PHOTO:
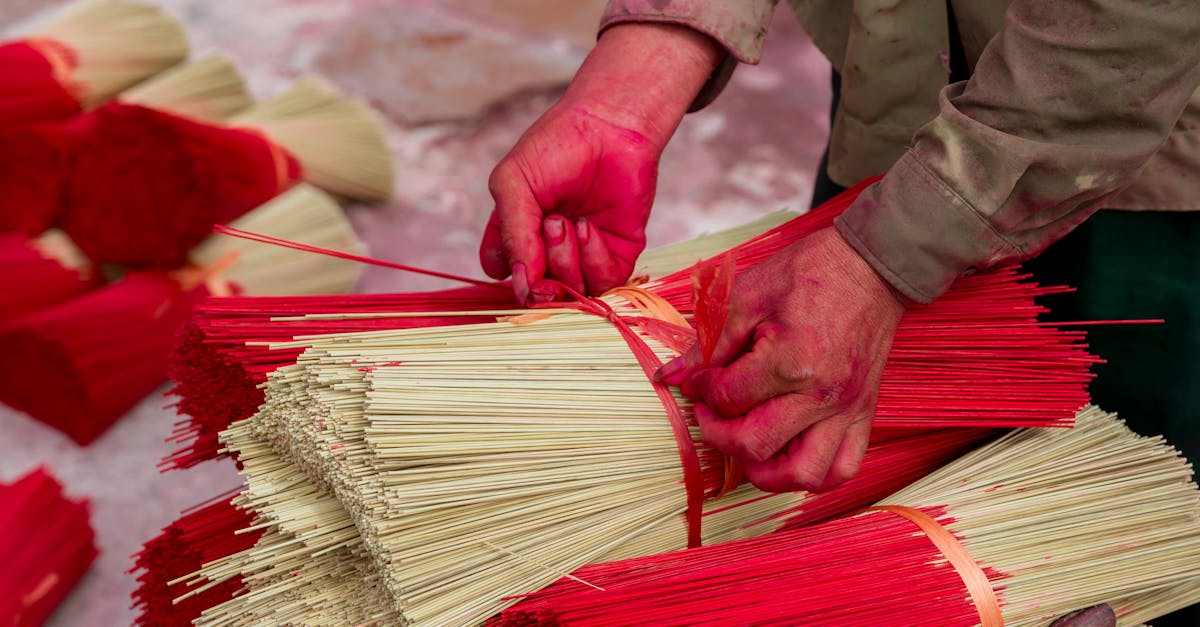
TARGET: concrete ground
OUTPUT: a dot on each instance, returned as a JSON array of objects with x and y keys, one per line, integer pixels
[{"x": 457, "y": 81}]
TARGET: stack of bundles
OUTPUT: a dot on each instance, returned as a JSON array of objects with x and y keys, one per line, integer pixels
[
  {"x": 46, "y": 545},
  {"x": 426, "y": 474},
  {"x": 81, "y": 58},
  {"x": 84, "y": 56},
  {"x": 1018, "y": 532},
  {"x": 114, "y": 195}
]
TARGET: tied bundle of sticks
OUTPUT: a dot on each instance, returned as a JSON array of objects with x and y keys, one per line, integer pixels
[
  {"x": 476, "y": 462},
  {"x": 1018, "y": 532},
  {"x": 36, "y": 158},
  {"x": 205, "y": 173},
  {"x": 46, "y": 545},
  {"x": 97, "y": 350},
  {"x": 84, "y": 56}
]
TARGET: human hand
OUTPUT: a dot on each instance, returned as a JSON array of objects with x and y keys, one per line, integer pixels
[
  {"x": 1095, "y": 616},
  {"x": 791, "y": 388},
  {"x": 574, "y": 194}
]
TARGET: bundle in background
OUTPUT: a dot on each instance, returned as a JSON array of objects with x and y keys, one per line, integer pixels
[
  {"x": 123, "y": 206},
  {"x": 84, "y": 56},
  {"x": 79, "y": 365},
  {"x": 34, "y": 161},
  {"x": 40, "y": 272},
  {"x": 46, "y": 546},
  {"x": 1018, "y": 532},
  {"x": 301, "y": 214},
  {"x": 210, "y": 88}
]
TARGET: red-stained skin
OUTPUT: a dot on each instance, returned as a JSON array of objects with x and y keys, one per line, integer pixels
[
  {"x": 585, "y": 186},
  {"x": 793, "y": 382}
]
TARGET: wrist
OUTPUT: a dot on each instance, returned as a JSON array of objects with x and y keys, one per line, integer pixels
[
  {"x": 859, "y": 270},
  {"x": 643, "y": 77}
]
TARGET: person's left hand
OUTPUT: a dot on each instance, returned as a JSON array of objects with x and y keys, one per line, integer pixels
[{"x": 793, "y": 381}]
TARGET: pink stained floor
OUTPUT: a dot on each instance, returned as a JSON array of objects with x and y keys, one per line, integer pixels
[{"x": 458, "y": 82}]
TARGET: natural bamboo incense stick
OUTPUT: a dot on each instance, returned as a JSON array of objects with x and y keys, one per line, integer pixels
[
  {"x": 302, "y": 214},
  {"x": 46, "y": 546},
  {"x": 338, "y": 141},
  {"x": 1054, "y": 520},
  {"x": 210, "y": 88},
  {"x": 105, "y": 46}
]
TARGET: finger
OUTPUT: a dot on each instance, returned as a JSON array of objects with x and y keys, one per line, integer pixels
[
  {"x": 751, "y": 380},
  {"x": 804, "y": 464},
  {"x": 764, "y": 431},
  {"x": 546, "y": 291},
  {"x": 848, "y": 458},
  {"x": 738, "y": 330},
  {"x": 562, "y": 252},
  {"x": 1095, "y": 616},
  {"x": 491, "y": 253},
  {"x": 601, "y": 270},
  {"x": 520, "y": 219}
]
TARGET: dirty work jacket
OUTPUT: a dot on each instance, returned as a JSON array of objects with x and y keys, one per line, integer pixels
[{"x": 1072, "y": 105}]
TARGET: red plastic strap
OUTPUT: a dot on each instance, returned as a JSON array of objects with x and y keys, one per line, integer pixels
[
  {"x": 693, "y": 480},
  {"x": 712, "y": 288}
]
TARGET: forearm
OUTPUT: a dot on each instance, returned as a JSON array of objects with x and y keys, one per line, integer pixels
[
  {"x": 1066, "y": 104},
  {"x": 643, "y": 76}
]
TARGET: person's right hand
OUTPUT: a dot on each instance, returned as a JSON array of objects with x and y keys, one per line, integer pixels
[
  {"x": 573, "y": 196},
  {"x": 572, "y": 201}
]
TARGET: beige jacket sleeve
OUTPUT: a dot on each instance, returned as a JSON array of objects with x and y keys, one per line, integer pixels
[
  {"x": 739, "y": 26},
  {"x": 1066, "y": 104}
]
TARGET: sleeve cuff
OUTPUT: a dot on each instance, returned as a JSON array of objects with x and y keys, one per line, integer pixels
[
  {"x": 739, "y": 27},
  {"x": 917, "y": 233}
]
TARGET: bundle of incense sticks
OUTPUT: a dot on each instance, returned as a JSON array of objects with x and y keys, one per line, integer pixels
[
  {"x": 332, "y": 581},
  {"x": 79, "y": 365},
  {"x": 41, "y": 272},
  {"x": 979, "y": 349},
  {"x": 1019, "y": 532},
  {"x": 210, "y": 88},
  {"x": 205, "y": 173},
  {"x": 206, "y": 533},
  {"x": 84, "y": 56},
  {"x": 46, "y": 545},
  {"x": 34, "y": 161},
  {"x": 304, "y": 214}
]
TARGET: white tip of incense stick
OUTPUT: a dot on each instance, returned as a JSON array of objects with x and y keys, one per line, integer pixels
[
  {"x": 118, "y": 42},
  {"x": 670, "y": 258},
  {"x": 209, "y": 89},
  {"x": 303, "y": 214},
  {"x": 339, "y": 141},
  {"x": 56, "y": 245}
]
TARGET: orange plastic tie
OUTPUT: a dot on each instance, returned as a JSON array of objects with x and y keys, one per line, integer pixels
[{"x": 978, "y": 586}]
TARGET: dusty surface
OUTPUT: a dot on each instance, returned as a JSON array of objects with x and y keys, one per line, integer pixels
[{"x": 458, "y": 81}]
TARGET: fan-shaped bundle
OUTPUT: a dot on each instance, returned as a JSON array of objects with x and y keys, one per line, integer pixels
[
  {"x": 1018, "y": 532},
  {"x": 81, "y": 364},
  {"x": 146, "y": 186},
  {"x": 302, "y": 214},
  {"x": 206, "y": 533},
  {"x": 46, "y": 545},
  {"x": 41, "y": 272},
  {"x": 339, "y": 141},
  {"x": 84, "y": 56},
  {"x": 210, "y": 88}
]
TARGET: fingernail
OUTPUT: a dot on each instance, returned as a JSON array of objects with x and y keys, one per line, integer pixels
[
  {"x": 581, "y": 230},
  {"x": 668, "y": 371},
  {"x": 554, "y": 230},
  {"x": 520, "y": 283}
]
